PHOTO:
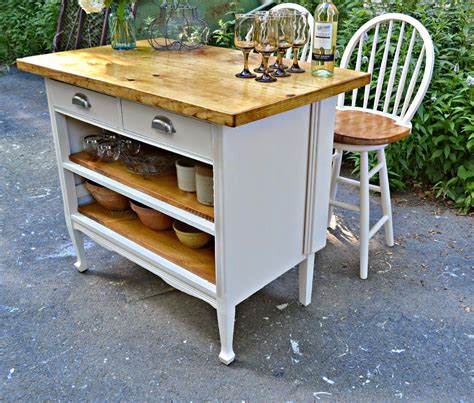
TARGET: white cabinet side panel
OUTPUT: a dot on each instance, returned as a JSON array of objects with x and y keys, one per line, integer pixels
[{"x": 260, "y": 185}]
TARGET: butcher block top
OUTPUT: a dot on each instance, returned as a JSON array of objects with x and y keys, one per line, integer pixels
[{"x": 199, "y": 83}]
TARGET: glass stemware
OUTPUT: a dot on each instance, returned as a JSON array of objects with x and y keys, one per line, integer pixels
[
  {"x": 274, "y": 66},
  {"x": 244, "y": 39},
  {"x": 300, "y": 39},
  {"x": 286, "y": 35},
  {"x": 266, "y": 27},
  {"x": 261, "y": 68}
]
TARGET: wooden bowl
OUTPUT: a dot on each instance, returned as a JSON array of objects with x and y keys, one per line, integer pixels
[
  {"x": 107, "y": 198},
  {"x": 190, "y": 236},
  {"x": 151, "y": 218}
]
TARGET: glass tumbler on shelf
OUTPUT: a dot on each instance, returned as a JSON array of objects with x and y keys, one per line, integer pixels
[
  {"x": 109, "y": 151},
  {"x": 266, "y": 27},
  {"x": 244, "y": 39},
  {"x": 286, "y": 35},
  {"x": 91, "y": 144},
  {"x": 129, "y": 147},
  {"x": 300, "y": 39}
]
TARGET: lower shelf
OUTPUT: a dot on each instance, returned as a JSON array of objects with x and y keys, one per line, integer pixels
[{"x": 200, "y": 262}]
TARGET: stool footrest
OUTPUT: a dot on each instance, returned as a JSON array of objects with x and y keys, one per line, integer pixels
[
  {"x": 346, "y": 206},
  {"x": 353, "y": 182},
  {"x": 377, "y": 226},
  {"x": 376, "y": 169}
]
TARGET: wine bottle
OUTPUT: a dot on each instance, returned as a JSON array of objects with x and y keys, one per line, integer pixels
[{"x": 325, "y": 33}]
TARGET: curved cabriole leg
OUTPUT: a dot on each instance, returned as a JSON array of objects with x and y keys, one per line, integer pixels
[
  {"x": 226, "y": 318},
  {"x": 385, "y": 194},
  {"x": 364, "y": 215},
  {"x": 306, "y": 271},
  {"x": 78, "y": 242}
]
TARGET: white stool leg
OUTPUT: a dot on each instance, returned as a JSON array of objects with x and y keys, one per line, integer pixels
[
  {"x": 364, "y": 215},
  {"x": 335, "y": 171},
  {"x": 385, "y": 193}
]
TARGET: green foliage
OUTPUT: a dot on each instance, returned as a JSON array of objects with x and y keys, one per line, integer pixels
[
  {"x": 26, "y": 27},
  {"x": 440, "y": 150},
  {"x": 224, "y": 35}
]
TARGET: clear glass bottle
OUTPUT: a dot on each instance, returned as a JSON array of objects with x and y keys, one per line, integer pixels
[{"x": 325, "y": 34}]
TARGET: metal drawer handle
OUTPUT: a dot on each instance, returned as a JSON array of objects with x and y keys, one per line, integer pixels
[
  {"x": 81, "y": 100},
  {"x": 163, "y": 124}
]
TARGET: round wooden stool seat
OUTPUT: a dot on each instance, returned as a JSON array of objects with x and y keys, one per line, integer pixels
[{"x": 355, "y": 127}]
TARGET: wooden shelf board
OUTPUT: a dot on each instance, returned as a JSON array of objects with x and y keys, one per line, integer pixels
[
  {"x": 161, "y": 187},
  {"x": 200, "y": 262}
]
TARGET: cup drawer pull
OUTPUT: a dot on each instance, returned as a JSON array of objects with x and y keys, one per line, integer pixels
[
  {"x": 81, "y": 100},
  {"x": 163, "y": 124}
]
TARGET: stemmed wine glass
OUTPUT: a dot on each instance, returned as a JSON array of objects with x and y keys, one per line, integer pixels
[
  {"x": 300, "y": 39},
  {"x": 244, "y": 39},
  {"x": 266, "y": 27},
  {"x": 286, "y": 35},
  {"x": 261, "y": 68}
]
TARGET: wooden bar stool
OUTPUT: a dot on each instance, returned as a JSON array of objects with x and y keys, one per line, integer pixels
[{"x": 370, "y": 123}]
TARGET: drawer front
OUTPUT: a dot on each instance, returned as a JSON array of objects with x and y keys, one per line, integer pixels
[
  {"x": 172, "y": 131},
  {"x": 80, "y": 101}
]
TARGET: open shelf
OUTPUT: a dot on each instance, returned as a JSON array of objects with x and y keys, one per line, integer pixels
[
  {"x": 200, "y": 262},
  {"x": 162, "y": 187}
]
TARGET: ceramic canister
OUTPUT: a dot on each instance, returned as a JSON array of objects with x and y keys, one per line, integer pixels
[
  {"x": 205, "y": 184},
  {"x": 186, "y": 174}
]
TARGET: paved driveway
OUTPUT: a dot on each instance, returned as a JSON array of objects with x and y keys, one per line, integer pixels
[{"x": 119, "y": 332}]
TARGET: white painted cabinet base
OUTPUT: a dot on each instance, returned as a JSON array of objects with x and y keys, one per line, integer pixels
[{"x": 269, "y": 176}]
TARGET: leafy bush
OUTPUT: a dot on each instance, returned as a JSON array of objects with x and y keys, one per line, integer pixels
[{"x": 26, "y": 27}]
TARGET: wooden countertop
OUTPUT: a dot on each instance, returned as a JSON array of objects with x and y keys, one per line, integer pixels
[{"x": 199, "y": 83}]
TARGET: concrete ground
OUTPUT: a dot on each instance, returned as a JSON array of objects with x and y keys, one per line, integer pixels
[{"x": 119, "y": 332}]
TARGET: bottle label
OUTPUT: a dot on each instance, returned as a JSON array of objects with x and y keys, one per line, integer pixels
[
  {"x": 323, "y": 35},
  {"x": 318, "y": 57}
]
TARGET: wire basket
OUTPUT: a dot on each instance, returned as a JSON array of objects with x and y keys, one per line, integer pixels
[{"x": 177, "y": 27}]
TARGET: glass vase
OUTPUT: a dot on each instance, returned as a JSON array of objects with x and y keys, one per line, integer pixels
[{"x": 122, "y": 28}]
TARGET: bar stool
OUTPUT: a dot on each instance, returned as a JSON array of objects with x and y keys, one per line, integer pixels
[{"x": 370, "y": 128}]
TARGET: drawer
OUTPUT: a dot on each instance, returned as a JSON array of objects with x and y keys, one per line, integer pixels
[
  {"x": 91, "y": 104},
  {"x": 174, "y": 132}
]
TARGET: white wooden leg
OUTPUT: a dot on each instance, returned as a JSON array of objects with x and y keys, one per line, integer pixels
[
  {"x": 335, "y": 172},
  {"x": 364, "y": 215},
  {"x": 78, "y": 242},
  {"x": 226, "y": 319},
  {"x": 385, "y": 193},
  {"x": 306, "y": 271}
]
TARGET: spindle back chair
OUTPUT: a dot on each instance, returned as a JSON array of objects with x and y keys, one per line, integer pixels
[
  {"x": 395, "y": 86},
  {"x": 382, "y": 113}
]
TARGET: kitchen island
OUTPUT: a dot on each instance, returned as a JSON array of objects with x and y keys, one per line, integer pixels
[{"x": 270, "y": 146}]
